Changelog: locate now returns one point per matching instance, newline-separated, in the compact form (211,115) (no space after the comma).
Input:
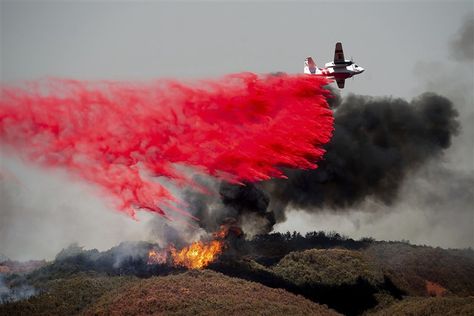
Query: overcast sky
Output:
(130,40)
(402,46)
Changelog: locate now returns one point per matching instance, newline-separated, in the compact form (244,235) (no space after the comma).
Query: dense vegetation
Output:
(326,275)
(270,248)
(332,266)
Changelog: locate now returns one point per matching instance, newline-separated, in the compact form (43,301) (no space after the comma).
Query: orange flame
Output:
(195,256)
(198,254)
(157,256)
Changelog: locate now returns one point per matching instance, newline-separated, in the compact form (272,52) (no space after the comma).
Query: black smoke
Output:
(377,143)
(230,201)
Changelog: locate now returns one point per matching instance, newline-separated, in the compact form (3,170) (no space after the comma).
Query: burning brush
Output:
(197,255)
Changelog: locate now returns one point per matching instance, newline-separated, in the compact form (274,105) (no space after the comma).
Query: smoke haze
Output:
(36,222)
(462,46)
(16,293)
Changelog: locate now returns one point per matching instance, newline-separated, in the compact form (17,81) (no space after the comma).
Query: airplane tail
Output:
(309,66)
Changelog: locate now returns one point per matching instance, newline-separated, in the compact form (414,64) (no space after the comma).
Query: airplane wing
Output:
(340,83)
(338,54)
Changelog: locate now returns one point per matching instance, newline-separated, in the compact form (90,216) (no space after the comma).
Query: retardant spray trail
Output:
(121,136)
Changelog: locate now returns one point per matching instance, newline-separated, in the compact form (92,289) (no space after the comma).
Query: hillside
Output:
(413,268)
(203,293)
(256,277)
(192,292)
(326,275)
(430,306)
(65,296)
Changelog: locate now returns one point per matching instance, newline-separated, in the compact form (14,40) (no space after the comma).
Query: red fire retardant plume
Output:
(122,136)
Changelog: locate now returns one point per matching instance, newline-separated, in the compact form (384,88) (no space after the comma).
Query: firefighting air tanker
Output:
(339,69)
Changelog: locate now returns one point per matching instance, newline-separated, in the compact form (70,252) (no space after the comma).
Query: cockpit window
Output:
(356,66)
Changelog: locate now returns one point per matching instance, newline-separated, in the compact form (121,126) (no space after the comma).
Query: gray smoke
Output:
(463,45)
(247,204)
(14,293)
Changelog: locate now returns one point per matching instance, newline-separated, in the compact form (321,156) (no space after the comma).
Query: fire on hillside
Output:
(197,255)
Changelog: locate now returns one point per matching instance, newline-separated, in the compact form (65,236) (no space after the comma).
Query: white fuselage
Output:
(337,71)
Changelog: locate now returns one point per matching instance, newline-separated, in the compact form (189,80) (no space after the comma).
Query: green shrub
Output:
(327,266)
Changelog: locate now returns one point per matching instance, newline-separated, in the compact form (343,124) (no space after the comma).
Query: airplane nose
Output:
(361,70)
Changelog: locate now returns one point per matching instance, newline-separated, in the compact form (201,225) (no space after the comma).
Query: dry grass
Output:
(203,293)
(65,296)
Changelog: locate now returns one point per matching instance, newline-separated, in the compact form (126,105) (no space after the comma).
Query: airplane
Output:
(339,69)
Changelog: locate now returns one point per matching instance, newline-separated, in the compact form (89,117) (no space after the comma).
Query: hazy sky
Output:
(404,47)
(132,40)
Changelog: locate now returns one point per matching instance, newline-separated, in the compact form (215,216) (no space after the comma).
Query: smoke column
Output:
(378,143)
(123,136)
